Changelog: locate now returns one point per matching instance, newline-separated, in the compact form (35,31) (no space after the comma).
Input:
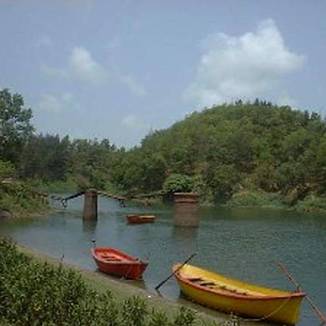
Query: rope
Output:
(268,315)
(317,311)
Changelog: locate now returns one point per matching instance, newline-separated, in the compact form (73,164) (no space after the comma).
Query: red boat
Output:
(138,219)
(115,262)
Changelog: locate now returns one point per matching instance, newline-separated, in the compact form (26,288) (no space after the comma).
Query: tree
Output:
(177,183)
(6,170)
(45,157)
(222,180)
(15,127)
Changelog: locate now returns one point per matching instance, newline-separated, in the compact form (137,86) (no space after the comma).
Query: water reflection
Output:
(238,243)
(186,214)
(185,239)
(89,228)
(184,234)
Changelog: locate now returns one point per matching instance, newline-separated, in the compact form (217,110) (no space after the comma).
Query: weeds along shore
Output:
(38,290)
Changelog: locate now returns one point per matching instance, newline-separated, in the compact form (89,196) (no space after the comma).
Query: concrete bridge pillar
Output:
(90,204)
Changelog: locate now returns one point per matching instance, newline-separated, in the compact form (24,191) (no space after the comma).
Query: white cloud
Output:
(81,66)
(134,86)
(56,103)
(243,67)
(84,67)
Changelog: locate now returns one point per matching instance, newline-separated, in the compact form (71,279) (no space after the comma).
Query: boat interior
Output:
(108,256)
(213,285)
(219,283)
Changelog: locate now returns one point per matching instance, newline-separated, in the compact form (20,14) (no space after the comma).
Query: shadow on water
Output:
(89,228)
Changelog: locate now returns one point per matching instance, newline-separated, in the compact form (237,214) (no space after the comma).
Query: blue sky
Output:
(118,69)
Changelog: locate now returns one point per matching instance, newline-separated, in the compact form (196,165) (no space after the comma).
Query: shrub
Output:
(177,183)
(312,203)
(40,294)
(255,199)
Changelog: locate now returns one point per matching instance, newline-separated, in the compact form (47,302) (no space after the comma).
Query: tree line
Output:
(219,152)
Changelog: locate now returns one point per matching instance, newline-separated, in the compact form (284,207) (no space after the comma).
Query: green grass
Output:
(19,199)
(255,199)
(38,292)
(312,203)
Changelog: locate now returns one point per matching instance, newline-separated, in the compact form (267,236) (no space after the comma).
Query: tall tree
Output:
(15,126)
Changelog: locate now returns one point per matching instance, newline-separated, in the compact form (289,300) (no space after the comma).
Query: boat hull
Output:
(278,306)
(140,219)
(115,262)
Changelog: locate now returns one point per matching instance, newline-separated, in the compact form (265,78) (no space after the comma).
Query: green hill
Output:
(243,153)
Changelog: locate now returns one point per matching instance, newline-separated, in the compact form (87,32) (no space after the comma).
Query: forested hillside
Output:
(240,154)
(232,149)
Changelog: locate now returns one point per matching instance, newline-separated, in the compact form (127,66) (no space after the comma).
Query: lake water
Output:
(242,243)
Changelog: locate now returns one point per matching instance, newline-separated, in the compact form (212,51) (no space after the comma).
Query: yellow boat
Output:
(230,295)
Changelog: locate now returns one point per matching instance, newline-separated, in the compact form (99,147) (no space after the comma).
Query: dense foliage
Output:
(236,153)
(230,150)
(15,196)
(177,183)
(33,293)
(15,127)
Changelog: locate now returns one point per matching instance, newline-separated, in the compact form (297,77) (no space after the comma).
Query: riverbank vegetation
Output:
(239,154)
(17,197)
(38,293)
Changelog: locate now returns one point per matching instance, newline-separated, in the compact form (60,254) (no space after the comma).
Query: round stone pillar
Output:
(186,205)
(90,205)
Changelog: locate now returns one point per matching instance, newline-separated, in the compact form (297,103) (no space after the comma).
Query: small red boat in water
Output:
(139,219)
(115,262)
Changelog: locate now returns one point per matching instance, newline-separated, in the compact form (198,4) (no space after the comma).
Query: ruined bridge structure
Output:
(186,204)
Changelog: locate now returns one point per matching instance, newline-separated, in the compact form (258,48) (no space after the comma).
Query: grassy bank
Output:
(250,198)
(39,293)
(19,199)
(312,203)
(37,290)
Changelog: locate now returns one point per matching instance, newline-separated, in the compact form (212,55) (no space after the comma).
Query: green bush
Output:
(39,294)
(312,203)
(184,318)
(19,199)
(255,199)
(177,183)
(6,169)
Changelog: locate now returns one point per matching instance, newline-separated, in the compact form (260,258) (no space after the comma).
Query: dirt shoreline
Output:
(122,289)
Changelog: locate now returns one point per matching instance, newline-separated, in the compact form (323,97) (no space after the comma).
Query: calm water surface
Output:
(242,243)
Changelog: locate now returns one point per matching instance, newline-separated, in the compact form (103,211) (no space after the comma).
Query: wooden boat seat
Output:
(111,259)
(212,285)
(194,279)
(207,284)
(108,257)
